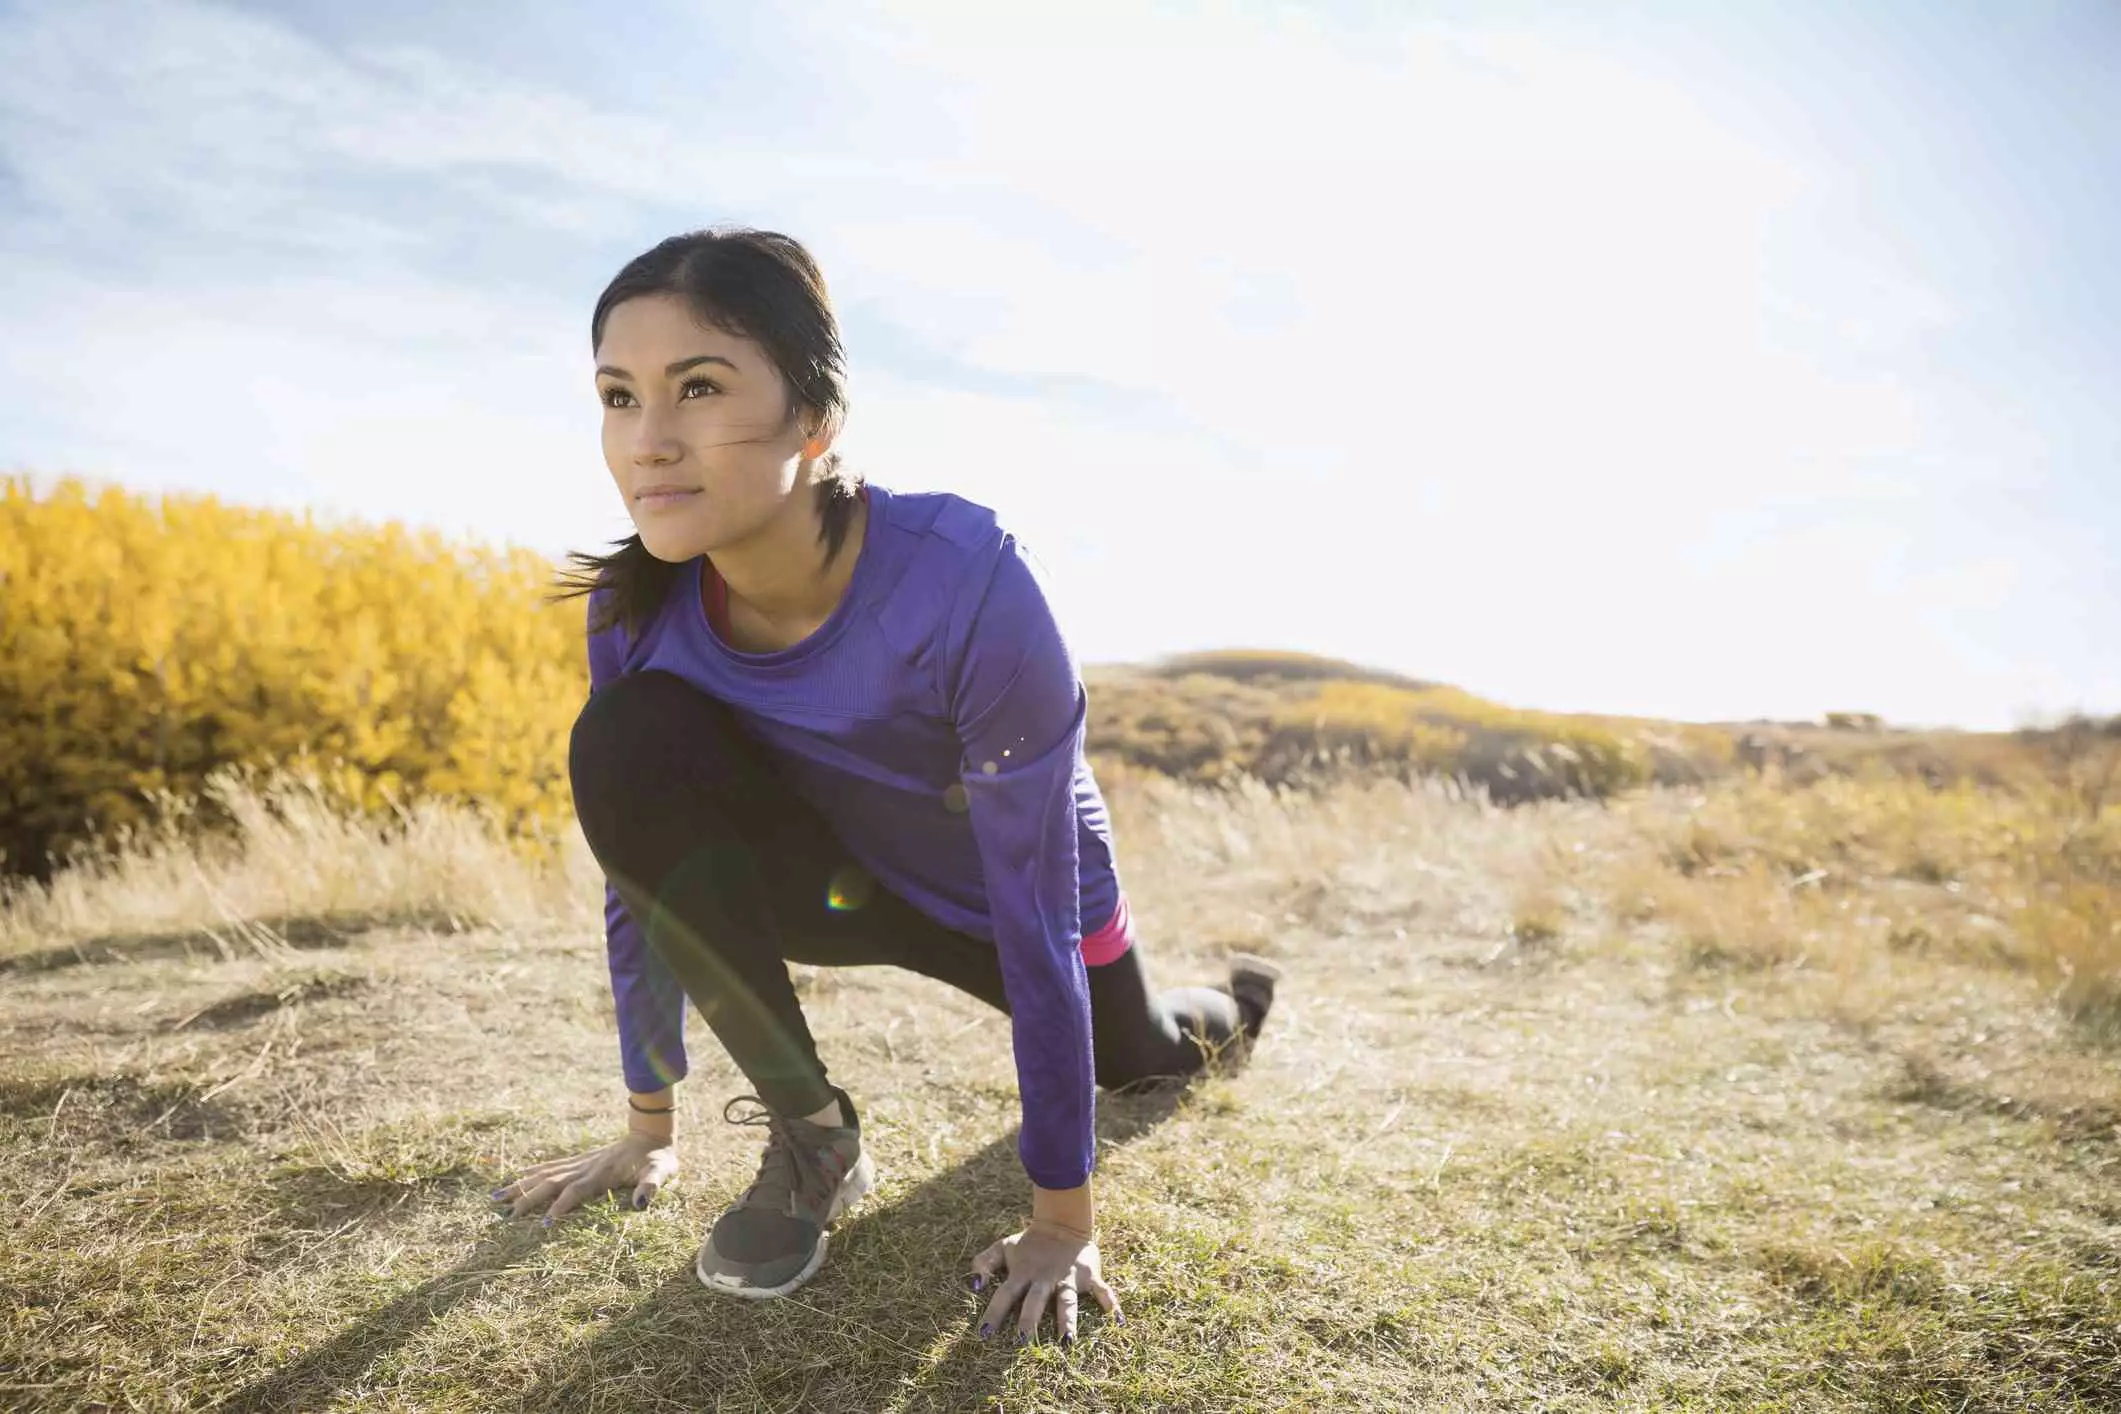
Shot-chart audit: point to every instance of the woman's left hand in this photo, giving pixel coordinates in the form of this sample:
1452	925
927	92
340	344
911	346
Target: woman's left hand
1042	1265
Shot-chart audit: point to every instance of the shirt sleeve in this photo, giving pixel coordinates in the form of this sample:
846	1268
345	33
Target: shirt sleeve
1019	707
647	996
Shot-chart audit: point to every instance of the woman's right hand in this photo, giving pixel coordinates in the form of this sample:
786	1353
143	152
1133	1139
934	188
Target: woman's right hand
641	1162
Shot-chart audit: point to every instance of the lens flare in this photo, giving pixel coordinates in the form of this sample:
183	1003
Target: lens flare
848	889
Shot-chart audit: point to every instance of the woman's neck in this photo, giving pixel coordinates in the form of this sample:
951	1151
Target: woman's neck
779	576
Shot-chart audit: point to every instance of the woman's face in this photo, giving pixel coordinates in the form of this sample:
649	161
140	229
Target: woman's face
697	431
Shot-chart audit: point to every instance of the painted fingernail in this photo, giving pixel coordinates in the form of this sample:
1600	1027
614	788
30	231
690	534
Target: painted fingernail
1119	1318
986	1330
640	1200
979	1283
499	1193
1022	1339
548	1220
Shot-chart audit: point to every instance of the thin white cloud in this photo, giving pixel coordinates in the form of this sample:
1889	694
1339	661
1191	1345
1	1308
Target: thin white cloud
439	403
1467	349
1466	228
194	120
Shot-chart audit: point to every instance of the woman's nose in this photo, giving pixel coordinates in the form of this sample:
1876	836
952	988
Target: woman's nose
651	438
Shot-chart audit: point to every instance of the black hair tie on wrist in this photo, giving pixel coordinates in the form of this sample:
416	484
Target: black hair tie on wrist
650	1109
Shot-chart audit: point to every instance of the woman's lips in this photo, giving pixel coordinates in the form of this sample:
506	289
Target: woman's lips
659	498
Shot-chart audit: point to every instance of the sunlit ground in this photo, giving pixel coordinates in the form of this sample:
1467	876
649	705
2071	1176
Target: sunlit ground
1562	1107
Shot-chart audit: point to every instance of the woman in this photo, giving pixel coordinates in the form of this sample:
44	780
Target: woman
833	724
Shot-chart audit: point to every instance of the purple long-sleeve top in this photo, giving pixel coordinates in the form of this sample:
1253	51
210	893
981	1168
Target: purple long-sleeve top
936	720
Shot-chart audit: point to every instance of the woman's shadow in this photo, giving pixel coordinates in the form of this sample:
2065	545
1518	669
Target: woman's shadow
891	1309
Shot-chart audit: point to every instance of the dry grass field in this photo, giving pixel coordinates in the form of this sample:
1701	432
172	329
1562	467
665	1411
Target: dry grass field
1759	1097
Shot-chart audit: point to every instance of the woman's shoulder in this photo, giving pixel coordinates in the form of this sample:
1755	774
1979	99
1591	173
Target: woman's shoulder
627	609
943	516
947	546
956	560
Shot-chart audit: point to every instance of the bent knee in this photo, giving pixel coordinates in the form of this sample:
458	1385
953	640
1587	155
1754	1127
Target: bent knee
617	734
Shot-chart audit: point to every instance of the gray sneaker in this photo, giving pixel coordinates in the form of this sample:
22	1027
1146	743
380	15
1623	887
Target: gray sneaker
772	1239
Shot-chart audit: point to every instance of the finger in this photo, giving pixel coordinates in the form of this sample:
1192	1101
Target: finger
997	1312
1034	1311
570	1198
990	1264
536	1172
661	1170
524	1182
1064	1302
1101	1293
525	1198
533	1197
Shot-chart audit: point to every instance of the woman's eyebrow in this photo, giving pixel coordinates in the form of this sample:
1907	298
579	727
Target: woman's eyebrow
672	370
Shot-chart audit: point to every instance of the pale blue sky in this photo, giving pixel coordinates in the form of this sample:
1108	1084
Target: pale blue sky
1694	360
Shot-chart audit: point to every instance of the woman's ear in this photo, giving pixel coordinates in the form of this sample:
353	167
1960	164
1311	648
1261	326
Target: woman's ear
819	435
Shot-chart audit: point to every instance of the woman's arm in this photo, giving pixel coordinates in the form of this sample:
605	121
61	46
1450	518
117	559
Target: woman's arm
649	1002
648	999
1017	701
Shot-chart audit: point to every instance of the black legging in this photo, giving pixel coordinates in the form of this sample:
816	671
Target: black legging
727	871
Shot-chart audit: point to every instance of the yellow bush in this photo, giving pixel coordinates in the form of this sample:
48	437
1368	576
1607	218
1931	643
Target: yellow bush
1377	718
144	643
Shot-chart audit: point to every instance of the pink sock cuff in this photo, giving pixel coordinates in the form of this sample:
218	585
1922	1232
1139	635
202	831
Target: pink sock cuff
1110	943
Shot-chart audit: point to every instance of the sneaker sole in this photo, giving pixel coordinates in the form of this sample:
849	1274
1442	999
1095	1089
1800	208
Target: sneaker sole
853	1188
1261	975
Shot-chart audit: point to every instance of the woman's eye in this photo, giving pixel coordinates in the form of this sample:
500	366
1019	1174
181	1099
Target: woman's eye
610	396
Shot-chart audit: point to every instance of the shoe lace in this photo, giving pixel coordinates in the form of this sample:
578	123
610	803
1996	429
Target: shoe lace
796	1164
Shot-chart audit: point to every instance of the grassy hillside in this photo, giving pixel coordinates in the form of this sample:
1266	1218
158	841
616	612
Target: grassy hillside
1751	1096
1296	719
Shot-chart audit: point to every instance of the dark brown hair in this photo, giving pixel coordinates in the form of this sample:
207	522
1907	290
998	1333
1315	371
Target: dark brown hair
762	286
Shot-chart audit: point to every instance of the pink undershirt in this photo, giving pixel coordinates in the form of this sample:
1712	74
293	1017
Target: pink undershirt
1107	944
